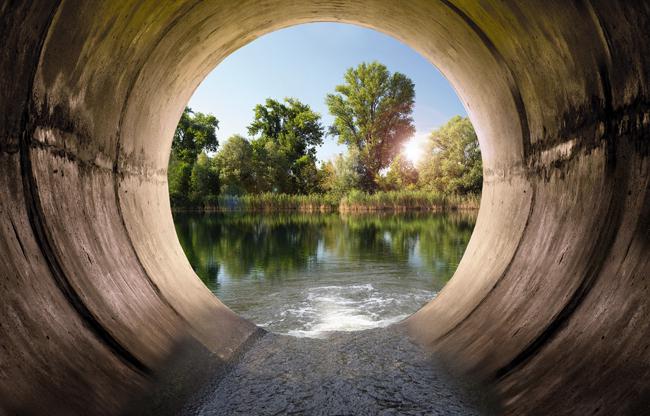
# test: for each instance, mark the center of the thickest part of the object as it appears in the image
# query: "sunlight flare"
(414, 149)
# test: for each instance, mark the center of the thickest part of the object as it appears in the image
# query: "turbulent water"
(327, 309)
(310, 275)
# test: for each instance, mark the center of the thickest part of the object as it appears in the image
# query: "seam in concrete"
(117, 175)
(10, 149)
(37, 223)
(603, 246)
(18, 239)
(607, 237)
(601, 250)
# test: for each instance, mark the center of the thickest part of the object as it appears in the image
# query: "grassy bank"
(406, 201)
(355, 201)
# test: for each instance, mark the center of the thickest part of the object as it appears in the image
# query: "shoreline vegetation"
(276, 169)
(353, 202)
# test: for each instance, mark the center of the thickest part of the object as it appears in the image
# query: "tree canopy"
(287, 135)
(400, 176)
(236, 166)
(342, 175)
(192, 177)
(372, 111)
(195, 133)
(454, 161)
(372, 116)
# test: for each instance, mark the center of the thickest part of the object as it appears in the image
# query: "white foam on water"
(343, 323)
(329, 309)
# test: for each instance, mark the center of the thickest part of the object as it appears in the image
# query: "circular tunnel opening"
(307, 249)
(484, 81)
(548, 302)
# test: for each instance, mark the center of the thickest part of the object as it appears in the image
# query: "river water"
(325, 287)
(307, 275)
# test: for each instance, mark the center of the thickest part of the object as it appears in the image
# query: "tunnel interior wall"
(550, 301)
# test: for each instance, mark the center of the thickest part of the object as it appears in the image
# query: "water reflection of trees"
(276, 246)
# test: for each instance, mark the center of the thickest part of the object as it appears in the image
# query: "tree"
(179, 175)
(236, 166)
(401, 175)
(195, 133)
(454, 165)
(308, 180)
(204, 181)
(327, 176)
(271, 167)
(372, 111)
(344, 173)
(189, 182)
(289, 131)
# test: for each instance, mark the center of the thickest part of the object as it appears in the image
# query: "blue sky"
(307, 62)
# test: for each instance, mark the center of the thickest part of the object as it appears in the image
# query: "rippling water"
(323, 285)
(310, 275)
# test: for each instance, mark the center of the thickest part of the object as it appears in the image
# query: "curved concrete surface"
(550, 301)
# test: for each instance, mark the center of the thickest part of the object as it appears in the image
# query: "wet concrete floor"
(375, 372)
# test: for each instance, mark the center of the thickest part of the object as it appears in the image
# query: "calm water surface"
(309, 274)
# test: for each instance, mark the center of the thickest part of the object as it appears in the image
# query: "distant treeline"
(276, 167)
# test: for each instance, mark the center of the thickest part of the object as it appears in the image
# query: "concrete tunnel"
(550, 302)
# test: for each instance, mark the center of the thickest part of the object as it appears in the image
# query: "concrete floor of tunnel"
(372, 372)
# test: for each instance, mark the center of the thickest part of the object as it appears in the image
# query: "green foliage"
(271, 167)
(193, 180)
(400, 176)
(195, 133)
(372, 111)
(307, 178)
(276, 168)
(204, 181)
(327, 176)
(343, 174)
(454, 165)
(285, 148)
(236, 166)
(179, 175)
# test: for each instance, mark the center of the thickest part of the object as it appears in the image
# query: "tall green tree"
(271, 167)
(290, 131)
(453, 165)
(235, 164)
(195, 133)
(189, 182)
(372, 111)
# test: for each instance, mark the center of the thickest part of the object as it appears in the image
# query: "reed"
(408, 200)
(270, 202)
(355, 201)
